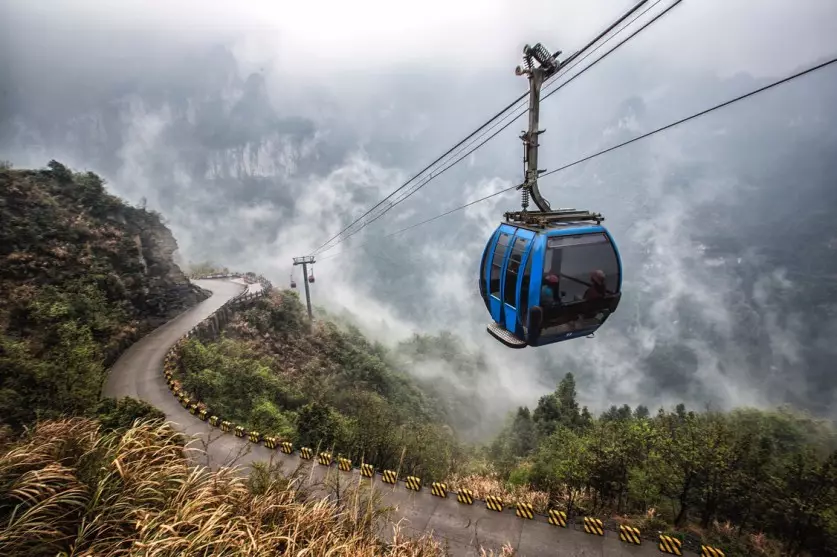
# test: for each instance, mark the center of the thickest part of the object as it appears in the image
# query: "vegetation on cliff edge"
(82, 275)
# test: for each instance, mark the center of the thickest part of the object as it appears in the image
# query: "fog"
(261, 130)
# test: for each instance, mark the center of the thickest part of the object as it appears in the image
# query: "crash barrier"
(439, 489)
(212, 325)
(670, 545)
(525, 510)
(494, 503)
(557, 518)
(593, 526)
(629, 534)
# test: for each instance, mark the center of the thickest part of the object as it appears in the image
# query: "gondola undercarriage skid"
(505, 336)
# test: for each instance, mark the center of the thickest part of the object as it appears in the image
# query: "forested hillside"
(750, 481)
(82, 275)
(321, 386)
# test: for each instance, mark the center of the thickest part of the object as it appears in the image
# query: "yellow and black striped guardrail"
(193, 408)
(203, 415)
(709, 551)
(593, 526)
(324, 459)
(254, 436)
(413, 483)
(525, 510)
(494, 503)
(670, 545)
(270, 442)
(214, 420)
(287, 447)
(306, 453)
(557, 518)
(226, 426)
(439, 489)
(629, 534)
(465, 496)
(367, 470)
(239, 431)
(344, 464)
(389, 476)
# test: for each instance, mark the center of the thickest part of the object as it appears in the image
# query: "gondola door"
(520, 247)
(495, 271)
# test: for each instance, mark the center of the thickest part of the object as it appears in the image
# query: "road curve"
(466, 528)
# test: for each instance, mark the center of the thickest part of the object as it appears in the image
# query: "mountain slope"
(82, 275)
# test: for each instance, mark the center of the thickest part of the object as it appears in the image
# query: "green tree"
(318, 425)
(560, 465)
(674, 458)
(523, 435)
(807, 489)
(558, 409)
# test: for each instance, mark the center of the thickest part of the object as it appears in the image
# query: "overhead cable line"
(475, 132)
(693, 116)
(523, 106)
(610, 149)
(436, 173)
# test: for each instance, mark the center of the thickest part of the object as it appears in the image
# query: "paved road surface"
(138, 373)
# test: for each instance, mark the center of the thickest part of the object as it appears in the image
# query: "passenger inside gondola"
(597, 289)
(550, 291)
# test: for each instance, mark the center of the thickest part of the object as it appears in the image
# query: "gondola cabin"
(551, 278)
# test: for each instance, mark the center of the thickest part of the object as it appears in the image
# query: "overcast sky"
(125, 88)
(759, 36)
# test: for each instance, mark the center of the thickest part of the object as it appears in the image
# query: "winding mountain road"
(465, 528)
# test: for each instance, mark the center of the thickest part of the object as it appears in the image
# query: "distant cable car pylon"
(305, 261)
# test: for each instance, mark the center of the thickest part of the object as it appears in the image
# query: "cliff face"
(82, 275)
(166, 290)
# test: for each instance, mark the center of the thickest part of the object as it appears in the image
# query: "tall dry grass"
(69, 489)
(482, 485)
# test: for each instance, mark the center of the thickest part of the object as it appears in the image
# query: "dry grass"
(68, 489)
(482, 485)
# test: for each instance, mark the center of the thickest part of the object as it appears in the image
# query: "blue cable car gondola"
(549, 281)
(546, 275)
